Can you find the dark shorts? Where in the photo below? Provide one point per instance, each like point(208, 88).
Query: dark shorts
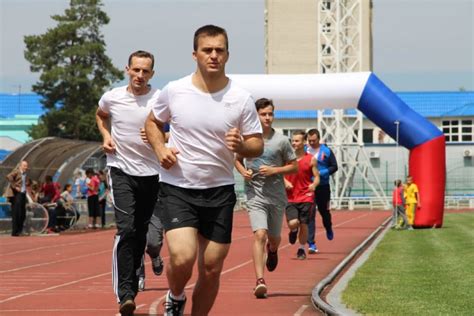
point(210, 211)
point(300, 211)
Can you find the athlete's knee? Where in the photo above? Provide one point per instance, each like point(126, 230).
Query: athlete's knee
point(261, 235)
point(293, 224)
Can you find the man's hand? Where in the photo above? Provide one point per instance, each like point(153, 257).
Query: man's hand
point(233, 140)
point(167, 157)
point(247, 174)
point(312, 187)
point(143, 135)
point(266, 171)
point(109, 145)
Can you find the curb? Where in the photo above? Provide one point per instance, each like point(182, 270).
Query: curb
point(317, 301)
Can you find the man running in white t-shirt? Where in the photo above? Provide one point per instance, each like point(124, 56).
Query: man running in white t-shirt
point(134, 172)
point(210, 120)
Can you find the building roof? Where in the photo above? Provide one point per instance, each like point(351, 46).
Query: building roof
point(428, 104)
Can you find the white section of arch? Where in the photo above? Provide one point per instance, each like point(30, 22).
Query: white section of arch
point(306, 91)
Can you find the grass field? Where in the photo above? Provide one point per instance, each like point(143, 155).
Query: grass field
point(420, 272)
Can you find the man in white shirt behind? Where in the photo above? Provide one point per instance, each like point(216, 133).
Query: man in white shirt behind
point(134, 172)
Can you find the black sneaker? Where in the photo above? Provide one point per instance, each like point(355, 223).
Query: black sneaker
point(301, 254)
point(272, 259)
point(157, 265)
point(292, 235)
point(127, 307)
point(174, 307)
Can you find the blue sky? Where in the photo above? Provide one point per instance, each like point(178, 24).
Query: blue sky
point(419, 45)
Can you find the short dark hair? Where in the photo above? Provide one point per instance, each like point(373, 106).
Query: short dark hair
point(314, 131)
point(397, 182)
point(210, 30)
point(263, 103)
point(142, 54)
point(90, 171)
point(299, 132)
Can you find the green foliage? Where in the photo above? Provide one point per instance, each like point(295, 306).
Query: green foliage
point(74, 71)
point(420, 272)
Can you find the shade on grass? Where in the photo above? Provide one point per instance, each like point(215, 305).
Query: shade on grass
point(420, 272)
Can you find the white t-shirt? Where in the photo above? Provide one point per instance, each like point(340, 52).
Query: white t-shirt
point(198, 123)
point(128, 113)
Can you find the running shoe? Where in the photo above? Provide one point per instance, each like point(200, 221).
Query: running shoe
point(272, 259)
point(174, 307)
point(312, 248)
point(260, 290)
point(157, 265)
point(127, 307)
point(330, 234)
point(301, 254)
point(292, 236)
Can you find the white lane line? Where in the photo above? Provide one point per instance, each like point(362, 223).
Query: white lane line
point(301, 310)
point(53, 287)
point(41, 248)
point(53, 262)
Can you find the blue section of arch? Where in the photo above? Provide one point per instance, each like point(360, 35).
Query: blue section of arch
point(384, 108)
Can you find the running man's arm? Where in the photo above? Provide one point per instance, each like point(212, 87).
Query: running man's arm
point(247, 146)
point(314, 169)
point(157, 138)
point(239, 165)
point(103, 123)
point(332, 163)
point(291, 167)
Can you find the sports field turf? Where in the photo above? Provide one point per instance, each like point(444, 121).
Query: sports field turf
point(420, 272)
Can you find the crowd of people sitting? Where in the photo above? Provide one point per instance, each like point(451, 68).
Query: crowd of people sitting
point(60, 202)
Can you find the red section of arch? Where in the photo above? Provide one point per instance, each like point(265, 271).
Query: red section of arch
point(428, 168)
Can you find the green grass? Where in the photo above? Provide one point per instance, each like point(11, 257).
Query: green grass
point(420, 272)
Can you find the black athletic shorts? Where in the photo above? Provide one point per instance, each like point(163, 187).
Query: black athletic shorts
point(210, 211)
point(300, 211)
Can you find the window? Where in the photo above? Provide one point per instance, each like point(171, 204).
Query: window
point(368, 135)
point(458, 130)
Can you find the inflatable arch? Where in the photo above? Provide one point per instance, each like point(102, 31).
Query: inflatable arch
point(365, 92)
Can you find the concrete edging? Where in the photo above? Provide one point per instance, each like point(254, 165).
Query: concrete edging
point(317, 301)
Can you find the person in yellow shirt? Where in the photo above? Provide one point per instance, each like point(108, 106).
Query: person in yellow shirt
point(412, 199)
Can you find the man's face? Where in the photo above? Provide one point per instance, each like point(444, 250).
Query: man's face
point(409, 180)
point(266, 116)
point(211, 54)
point(297, 141)
point(313, 141)
point(23, 166)
point(140, 72)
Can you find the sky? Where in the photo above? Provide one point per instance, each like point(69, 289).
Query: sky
point(418, 45)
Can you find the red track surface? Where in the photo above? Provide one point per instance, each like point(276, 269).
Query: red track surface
point(70, 274)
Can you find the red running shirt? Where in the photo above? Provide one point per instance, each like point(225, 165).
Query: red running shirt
point(301, 181)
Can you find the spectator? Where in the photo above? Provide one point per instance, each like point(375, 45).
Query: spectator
point(412, 200)
point(399, 218)
point(16, 195)
point(93, 207)
point(103, 193)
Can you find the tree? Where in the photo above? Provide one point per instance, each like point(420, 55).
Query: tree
point(74, 71)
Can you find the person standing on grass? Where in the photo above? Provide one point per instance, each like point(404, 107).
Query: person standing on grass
point(327, 165)
point(265, 190)
point(211, 119)
point(412, 199)
point(300, 189)
point(399, 218)
point(133, 172)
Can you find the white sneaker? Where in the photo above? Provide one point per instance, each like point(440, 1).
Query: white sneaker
point(141, 284)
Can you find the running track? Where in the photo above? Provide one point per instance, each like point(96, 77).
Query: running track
point(71, 274)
